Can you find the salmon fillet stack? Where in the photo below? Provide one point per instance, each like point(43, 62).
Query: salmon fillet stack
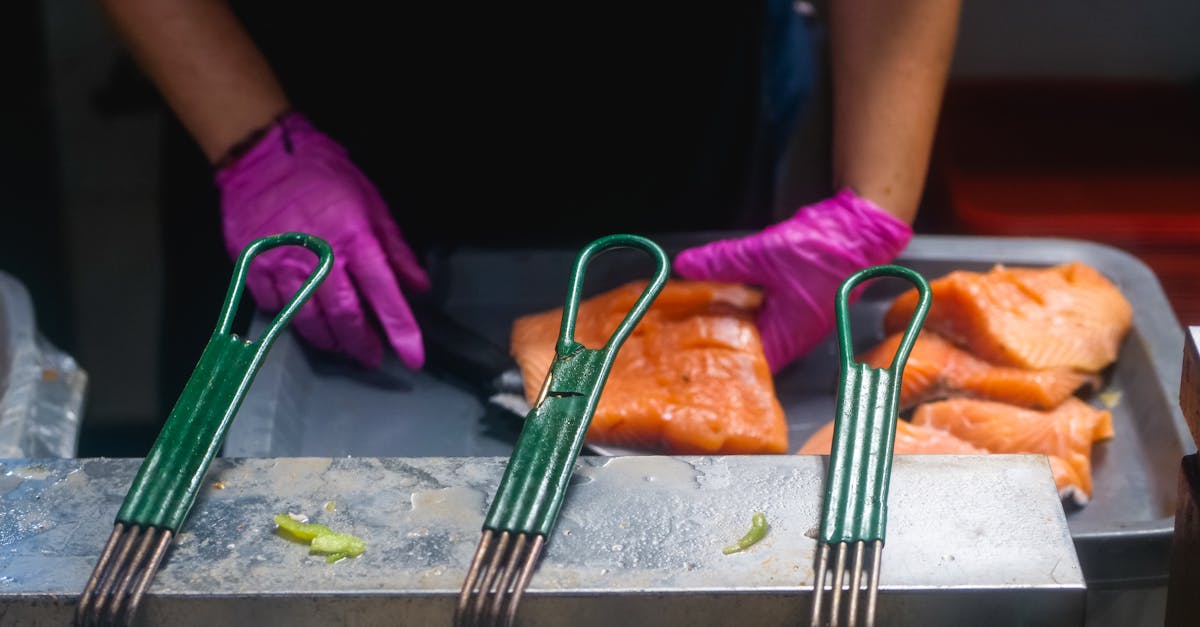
point(999, 361)
point(1067, 316)
point(1064, 435)
point(911, 439)
point(938, 369)
point(690, 379)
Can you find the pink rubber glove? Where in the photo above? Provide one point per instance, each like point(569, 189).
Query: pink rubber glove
point(800, 263)
point(297, 179)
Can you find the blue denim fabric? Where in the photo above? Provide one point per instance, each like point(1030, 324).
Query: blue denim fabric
point(789, 62)
point(787, 78)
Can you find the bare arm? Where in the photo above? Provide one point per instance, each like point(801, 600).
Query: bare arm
point(890, 61)
point(204, 64)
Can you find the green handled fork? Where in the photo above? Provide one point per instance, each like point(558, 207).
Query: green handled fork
point(166, 485)
point(860, 462)
point(527, 502)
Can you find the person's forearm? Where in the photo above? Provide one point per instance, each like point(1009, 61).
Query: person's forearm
point(890, 61)
point(205, 65)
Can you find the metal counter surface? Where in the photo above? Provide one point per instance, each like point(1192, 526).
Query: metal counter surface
point(639, 538)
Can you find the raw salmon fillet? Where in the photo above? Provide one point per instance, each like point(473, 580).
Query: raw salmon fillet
point(1064, 434)
point(910, 440)
point(691, 378)
point(1067, 316)
point(938, 369)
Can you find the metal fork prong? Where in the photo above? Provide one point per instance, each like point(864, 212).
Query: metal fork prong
point(120, 593)
point(117, 564)
point(87, 598)
point(856, 582)
point(839, 582)
point(498, 605)
point(873, 587)
point(819, 584)
point(489, 575)
point(104, 592)
point(462, 612)
point(148, 572)
point(523, 581)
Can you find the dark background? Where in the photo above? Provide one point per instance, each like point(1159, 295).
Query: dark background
point(1072, 118)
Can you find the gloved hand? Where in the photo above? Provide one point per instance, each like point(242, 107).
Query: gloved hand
point(800, 263)
point(297, 179)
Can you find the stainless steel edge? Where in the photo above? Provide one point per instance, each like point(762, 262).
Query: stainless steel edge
point(639, 538)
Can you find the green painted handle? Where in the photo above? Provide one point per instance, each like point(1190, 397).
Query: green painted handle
point(168, 480)
point(566, 334)
point(535, 481)
point(860, 463)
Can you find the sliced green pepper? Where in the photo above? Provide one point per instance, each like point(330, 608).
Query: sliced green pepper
point(339, 543)
point(322, 539)
point(758, 529)
point(302, 531)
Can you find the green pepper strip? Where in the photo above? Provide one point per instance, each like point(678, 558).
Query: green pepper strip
point(338, 545)
point(322, 538)
point(758, 529)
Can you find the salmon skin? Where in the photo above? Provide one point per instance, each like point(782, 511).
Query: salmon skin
point(910, 440)
point(691, 378)
point(1065, 434)
point(1067, 316)
point(938, 369)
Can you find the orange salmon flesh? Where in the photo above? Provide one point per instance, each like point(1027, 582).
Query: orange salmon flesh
point(690, 379)
point(938, 369)
point(1067, 316)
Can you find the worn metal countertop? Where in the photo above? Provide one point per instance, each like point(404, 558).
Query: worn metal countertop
point(641, 536)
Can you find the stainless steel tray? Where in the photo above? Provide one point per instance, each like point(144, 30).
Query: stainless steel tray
point(301, 405)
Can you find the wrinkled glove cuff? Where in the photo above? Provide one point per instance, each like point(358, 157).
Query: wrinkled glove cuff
point(879, 235)
point(271, 156)
point(252, 139)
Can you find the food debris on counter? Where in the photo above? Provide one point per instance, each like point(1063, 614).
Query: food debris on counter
point(322, 539)
point(758, 529)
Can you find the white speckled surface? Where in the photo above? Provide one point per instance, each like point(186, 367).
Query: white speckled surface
point(971, 539)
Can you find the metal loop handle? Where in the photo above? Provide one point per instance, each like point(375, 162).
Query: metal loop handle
point(845, 345)
point(237, 285)
point(566, 335)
